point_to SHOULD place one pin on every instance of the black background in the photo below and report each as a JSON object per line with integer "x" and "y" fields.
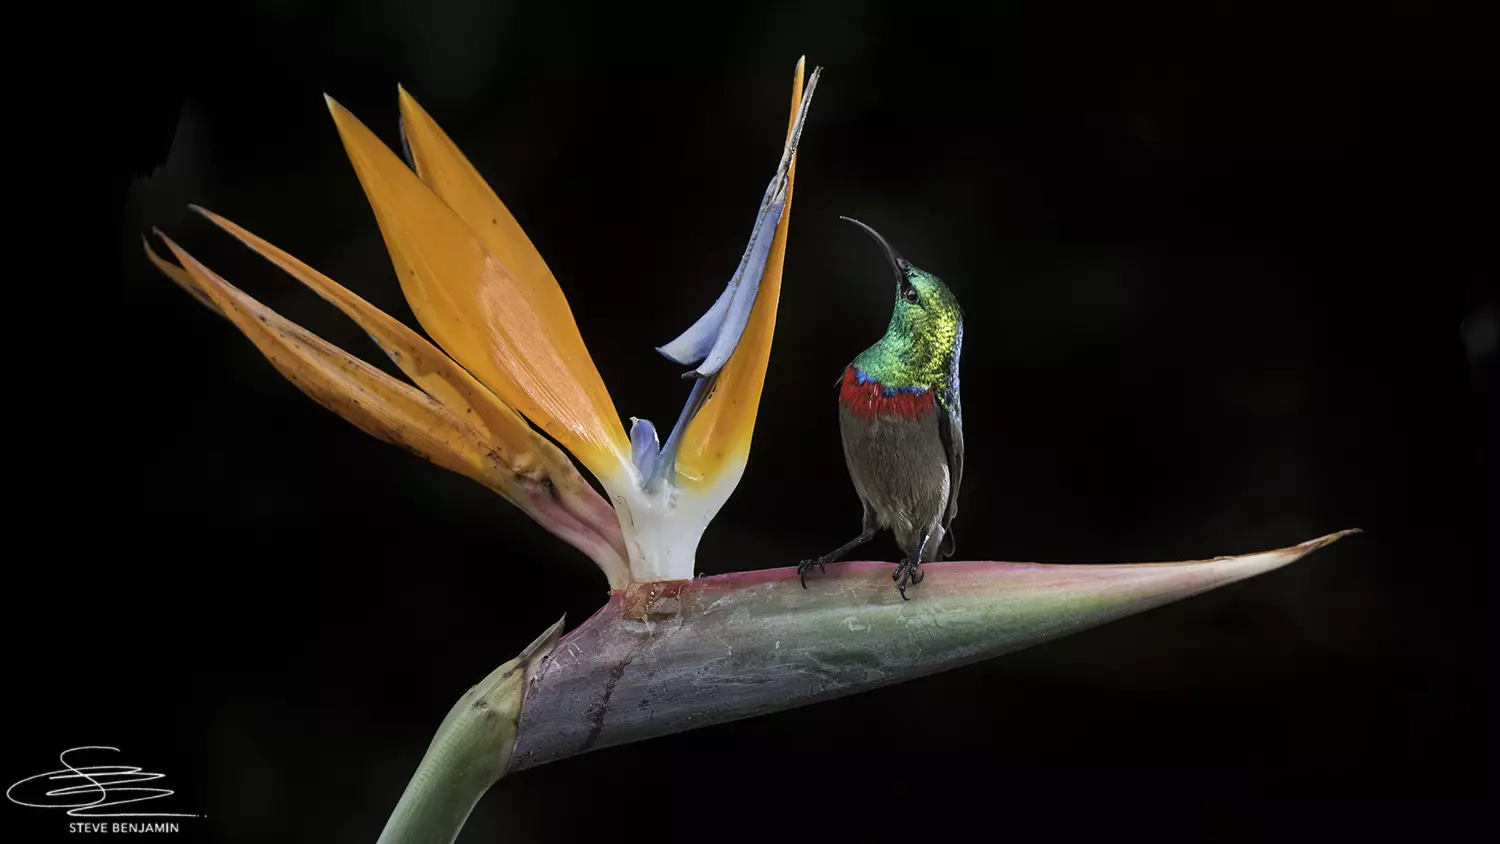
{"x": 1215, "y": 260}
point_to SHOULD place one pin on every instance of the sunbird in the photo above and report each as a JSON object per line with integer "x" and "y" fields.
{"x": 902, "y": 423}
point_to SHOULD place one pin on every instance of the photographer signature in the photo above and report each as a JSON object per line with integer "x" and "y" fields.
{"x": 88, "y": 790}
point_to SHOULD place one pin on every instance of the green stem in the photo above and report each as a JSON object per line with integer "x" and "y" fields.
{"x": 469, "y": 753}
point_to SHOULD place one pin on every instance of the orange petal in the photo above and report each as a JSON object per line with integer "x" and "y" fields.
{"x": 446, "y": 381}
{"x": 444, "y": 168}
{"x": 180, "y": 277}
{"x": 423, "y": 363}
{"x": 717, "y": 442}
{"x": 475, "y": 308}
{"x": 393, "y": 412}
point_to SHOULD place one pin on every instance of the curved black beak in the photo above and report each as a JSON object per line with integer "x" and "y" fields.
{"x": 898, "y": 263}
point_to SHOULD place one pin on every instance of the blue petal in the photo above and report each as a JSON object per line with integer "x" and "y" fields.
{"x": 644, "y": 446}
{"x": 745, "y": 292}
{"x": 406, "y": 146}
{"x": 713, "y": 338}
{"x": 667, "y": 461}
{"x": 693, "y": 345}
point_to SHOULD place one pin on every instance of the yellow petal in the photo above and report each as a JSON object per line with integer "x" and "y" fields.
{"x": 375, "y": 402}
{"x": 444, "y": 168}
{"x": 180, "y": 277}
{"x": 477, "y": 311}
{"x": 497, "y": 424}
{"x": 716, "y": 444}
{"x": 391, "y": 411}
{"x": 422, "y": 362}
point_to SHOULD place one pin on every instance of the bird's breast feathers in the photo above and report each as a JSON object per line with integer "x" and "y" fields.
{"x": 868, "y": 399}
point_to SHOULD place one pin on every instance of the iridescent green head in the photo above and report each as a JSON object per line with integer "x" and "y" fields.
{"x": 921, "y": 346}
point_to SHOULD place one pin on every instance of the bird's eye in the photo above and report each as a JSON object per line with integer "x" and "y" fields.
{"x": 910, "y": 294}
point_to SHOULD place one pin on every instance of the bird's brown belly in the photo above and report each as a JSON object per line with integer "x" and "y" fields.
{"x": 900, "y": 470}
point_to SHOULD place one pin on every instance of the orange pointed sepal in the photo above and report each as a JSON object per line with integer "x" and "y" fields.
{"x": 511, "y": 334}
{"x": 517, "y": 468}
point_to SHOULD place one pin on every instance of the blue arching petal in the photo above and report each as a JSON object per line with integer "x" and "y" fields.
{"x": 713, "y": 338}
{"x": 734, "y": 308}
{"x": 743, "y": 301}
{"x": 406, "y": 146}
{"x": 645, "y": 448}
{"x": 667, "y": 460}
{"x": 693, "y": 345}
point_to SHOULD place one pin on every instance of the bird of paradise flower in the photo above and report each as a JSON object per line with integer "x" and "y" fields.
{"x": 508, "y": 351}
{"x": 508, "y": 356}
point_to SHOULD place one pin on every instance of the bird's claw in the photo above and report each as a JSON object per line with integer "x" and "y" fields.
{"x": 907, "y": 574}
{"x": 807, "y": 565}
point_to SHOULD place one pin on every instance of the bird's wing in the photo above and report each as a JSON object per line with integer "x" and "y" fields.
{"x": 951, "y": 427}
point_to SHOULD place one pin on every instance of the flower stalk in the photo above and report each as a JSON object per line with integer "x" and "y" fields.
{"x": 470, "y": 751}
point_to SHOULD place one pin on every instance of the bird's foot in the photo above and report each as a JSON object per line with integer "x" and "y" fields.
{"x": 808, "y": 565}
{"x": 907, "y": 574}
